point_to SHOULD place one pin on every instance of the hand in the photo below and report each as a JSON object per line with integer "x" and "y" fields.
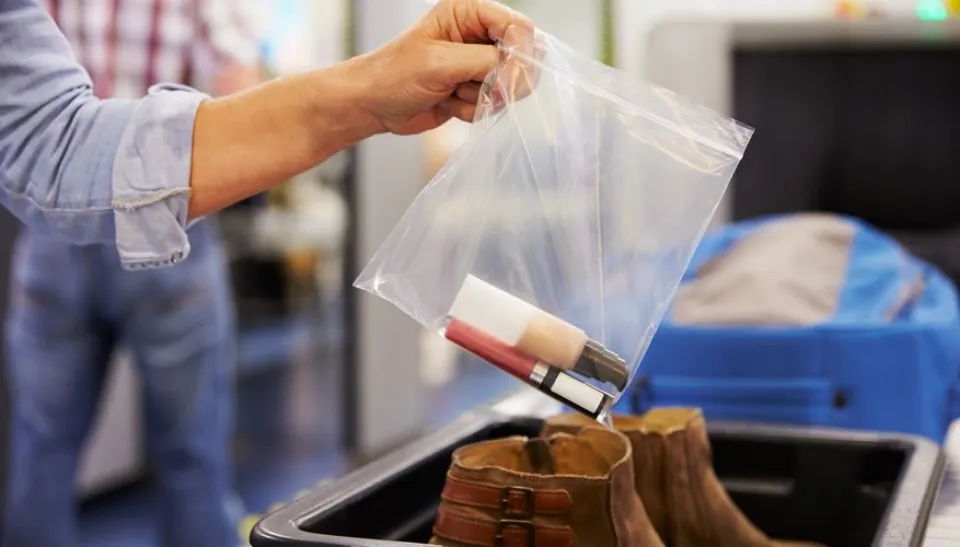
{"x": 433, "y": 71}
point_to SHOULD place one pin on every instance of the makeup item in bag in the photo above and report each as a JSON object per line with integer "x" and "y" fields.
{"x": 599, "y": 362}
{"x": 550, "y": 380}
{"x": 536, "y": 332}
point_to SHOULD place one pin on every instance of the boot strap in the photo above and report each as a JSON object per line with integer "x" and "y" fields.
{"x": 513, "y": 502}
{"x": 501, "y": 533}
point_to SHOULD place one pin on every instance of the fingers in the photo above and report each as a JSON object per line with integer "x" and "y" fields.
{"x": 497, "y": 19}
{"x": 520, "y": 74}
{"x": 458, "y": 29}
{"x": 455, "y": 107}
{"x": 475, "y": 21}
{"x": 468, "y": 100}
{"x": 464, "y": 66}
{"x": 462, "y": 63}
{"x": 464, "y": 26}
{"x": 469, "y": 92}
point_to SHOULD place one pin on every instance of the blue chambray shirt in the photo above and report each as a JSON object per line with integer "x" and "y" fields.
{"x": 84, "y": 169}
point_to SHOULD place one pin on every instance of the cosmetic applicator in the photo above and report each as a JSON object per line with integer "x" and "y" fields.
{"x": 526, "y": 327}
{"x": 547, "y": 379}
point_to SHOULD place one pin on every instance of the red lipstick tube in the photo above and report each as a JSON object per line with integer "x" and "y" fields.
{"x": 547, "y": 379}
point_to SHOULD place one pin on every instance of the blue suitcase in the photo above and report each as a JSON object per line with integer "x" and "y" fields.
{"x": 851, "y": 371}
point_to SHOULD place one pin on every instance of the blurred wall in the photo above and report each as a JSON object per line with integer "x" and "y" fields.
{"x": 302, "y": 34}
{"x": 635, "y": 19}
{"x": 576, "y": 22}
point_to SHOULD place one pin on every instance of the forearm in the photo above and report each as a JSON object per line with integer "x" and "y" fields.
{"x": 133, "y": 173}
{"x": 246, "y": 143}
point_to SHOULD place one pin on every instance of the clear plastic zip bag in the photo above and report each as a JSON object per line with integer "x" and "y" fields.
{"x": 553, "y": 241}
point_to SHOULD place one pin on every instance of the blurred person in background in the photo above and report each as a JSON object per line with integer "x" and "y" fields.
{"x": 72, "y": 306}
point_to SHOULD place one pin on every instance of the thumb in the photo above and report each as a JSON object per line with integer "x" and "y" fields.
{"x": 463, "y": 63}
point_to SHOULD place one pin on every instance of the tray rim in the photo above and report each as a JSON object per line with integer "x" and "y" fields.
{"x": 899, "y": 526}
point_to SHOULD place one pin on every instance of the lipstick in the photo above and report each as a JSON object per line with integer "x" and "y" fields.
{"x": 550, "y": 380}
{"x": 526, "y": 327}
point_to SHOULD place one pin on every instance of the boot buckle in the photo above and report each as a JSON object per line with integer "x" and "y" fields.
{"x": 527, "y": 495}
{"x": 524, "y": 525}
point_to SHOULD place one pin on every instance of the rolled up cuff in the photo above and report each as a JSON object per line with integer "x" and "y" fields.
{"x": 151, "y": 178}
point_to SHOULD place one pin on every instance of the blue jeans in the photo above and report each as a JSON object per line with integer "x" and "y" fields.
{"x": 70, "y": 308}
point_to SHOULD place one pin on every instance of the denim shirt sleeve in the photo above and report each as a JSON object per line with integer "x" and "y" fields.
{"x": 89, "y": 170}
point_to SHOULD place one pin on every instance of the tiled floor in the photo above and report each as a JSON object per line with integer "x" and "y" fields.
{"x": 288, "y": 440}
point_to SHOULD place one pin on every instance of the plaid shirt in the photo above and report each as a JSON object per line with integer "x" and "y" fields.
{"x": 129, "y": 45}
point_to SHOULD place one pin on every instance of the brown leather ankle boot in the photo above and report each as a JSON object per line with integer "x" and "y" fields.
{"x": 563, "y": 491}
{"x": 686, "y": 502}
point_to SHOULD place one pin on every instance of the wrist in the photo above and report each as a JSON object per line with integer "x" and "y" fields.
{"x": 346, "y": 90}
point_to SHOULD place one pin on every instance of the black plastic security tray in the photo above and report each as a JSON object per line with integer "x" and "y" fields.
{"x": 839, "y": 488}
